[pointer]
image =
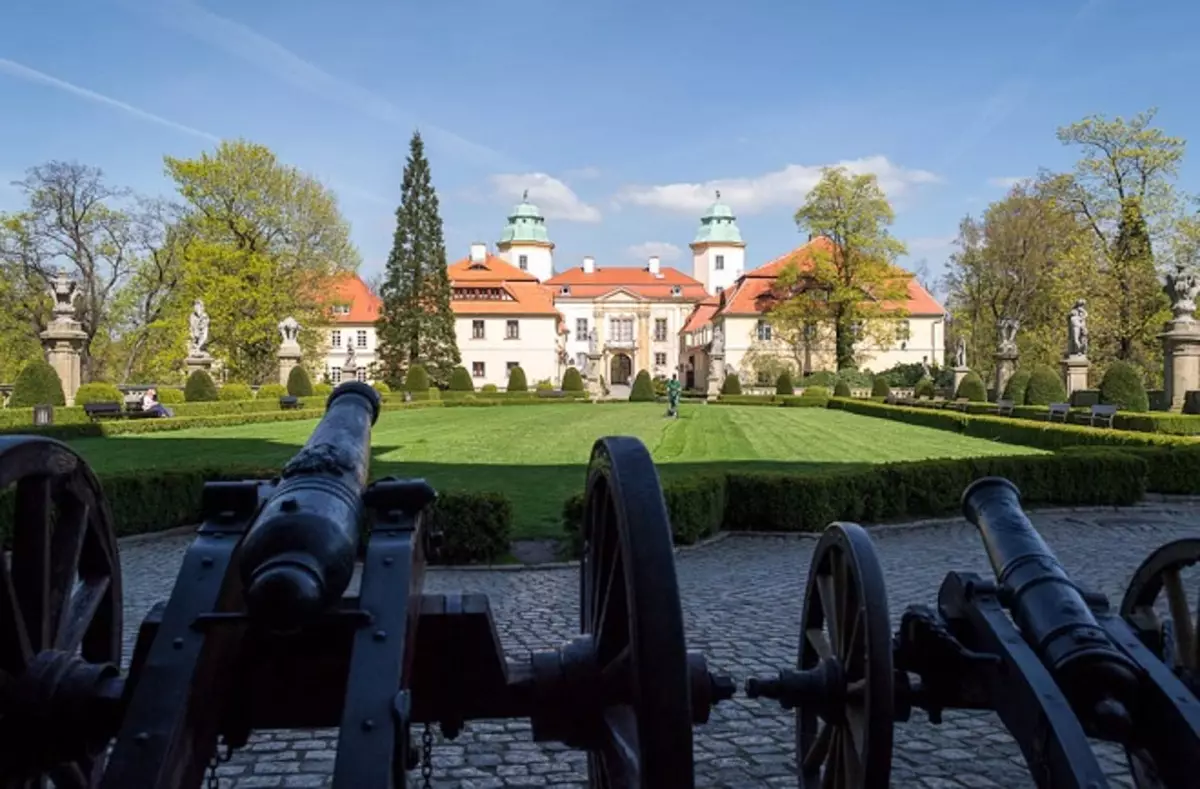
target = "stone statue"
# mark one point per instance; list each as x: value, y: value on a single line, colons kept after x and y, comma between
x: 62, y: 290
x: 289, y: 330
x: 960, y: 353
x: 1077, y: 332
x: 718, y: 341
x: 198, y: 329
x: 1008, y: 335
x: 593, y: 342
x: 1183, y: 287
x: 351, y: 362
x: 925, y: 371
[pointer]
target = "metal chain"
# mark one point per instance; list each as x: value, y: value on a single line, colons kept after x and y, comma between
x: 427, y: 757
x: 216, y: 761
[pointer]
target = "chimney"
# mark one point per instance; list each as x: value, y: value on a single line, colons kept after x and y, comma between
x: 653, y: 265
x: 478, y: 252
x: 589, y: 264
x: 811, y: 236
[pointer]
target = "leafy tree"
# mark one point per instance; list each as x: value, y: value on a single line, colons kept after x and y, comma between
x: 37, y: 384
x: 299, y: 384
x: 850, y: 282
x: 200, y: 388
x: 643, y: 389
x: 267, y: 240
x: 1044, y: 387
x: 417, y: 380
x: 416, y: 322
x: 972, y: 388
x: 1122, y: 386
x: 516, y: 380
x: 572, y: 381
x: 732, y: 385
x: 783, y: 384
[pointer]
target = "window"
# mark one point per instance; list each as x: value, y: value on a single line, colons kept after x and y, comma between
x: 581, y: 328
x: 361, y: 374
x: 335, y: 338
x: 676, y: 290
x: 565, y: 290
x: 360, y: 338
x: 523, y: 262
x: 904, y: 331
x: 477, y: 368
x: 512, y: 331
x: 620, y: 330
x: 341, y: 309
x: 335, y: 375
x: 477, y: 330
x: 660, y: 329
x: 764, y: 331
x: 720, y: 264
x: 720, y: 290
x: 660, y: 360
x: 508, y: 366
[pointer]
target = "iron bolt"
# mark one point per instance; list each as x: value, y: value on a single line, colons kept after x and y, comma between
x: 380, y: 635
x: 368, y: 724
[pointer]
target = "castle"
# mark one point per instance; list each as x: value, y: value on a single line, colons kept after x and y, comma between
x: 511, y: 308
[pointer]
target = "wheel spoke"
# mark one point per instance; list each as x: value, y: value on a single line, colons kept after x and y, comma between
x: 841, y: 590
x: 612, y: 629
x: 66, y: 547
x: 81, y: 612
x: 851, y: 761
x: 817, y: 751
x: 15, y: 651
x: 819, y: 642
x: 619, y: 750
x: 31, y: 557
x: 1185, y: 634
x: 832, y: 764
x: 828, y: 592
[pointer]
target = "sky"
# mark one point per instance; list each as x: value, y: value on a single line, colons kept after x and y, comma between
x: 622, y: 119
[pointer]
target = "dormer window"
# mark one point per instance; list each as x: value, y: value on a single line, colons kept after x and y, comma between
x: 341, y: 309
x: 565, y: 290
x: 676, y: 290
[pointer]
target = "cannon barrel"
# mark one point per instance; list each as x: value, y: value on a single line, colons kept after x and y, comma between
x: 1049, y: 609
x: 298, y: 556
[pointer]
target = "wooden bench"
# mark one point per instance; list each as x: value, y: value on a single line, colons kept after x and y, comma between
x: 288, y: 402
x: 97, y: 411
x: 1004, y: 408
x: 1062, y: 410
x: 1103, y: 413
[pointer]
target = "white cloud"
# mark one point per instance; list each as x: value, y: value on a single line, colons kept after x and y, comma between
x: 555, y: 199
x: 662, y: 249
x: 583, y: 173
x: 787, y: 187
x: 28, y: 74
x: 1006, y: 181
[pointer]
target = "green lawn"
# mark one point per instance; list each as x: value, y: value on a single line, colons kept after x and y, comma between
x: 537, y: 455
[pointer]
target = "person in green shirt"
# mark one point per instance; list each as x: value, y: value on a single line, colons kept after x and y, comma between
x: 673, y: 390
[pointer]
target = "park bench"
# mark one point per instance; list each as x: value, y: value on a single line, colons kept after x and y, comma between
x: 1062, y: 410
x: 1103, y: 413
x: 134, y: 410
x: 959, y: 404
x: 288, y: 402
x: 1004, y: 408
x: 97, y: 411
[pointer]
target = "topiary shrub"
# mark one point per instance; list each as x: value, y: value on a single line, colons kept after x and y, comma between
x: 200, y: 388
x: 490, y: 388
x: 643, y: 388
x: 233, y: 392
x: 972, y: 388
x: 880, y: 388
x: 37, y: 384
x: 544, y: 386
x: 1044, y: 387
x: 842, y: 389
x: 783, y: 384
x: 271, y: 391
x: 924, y: 388
x: 1016, y: 387
x: 322, y: 390
x: 460, y: 380
x: 732, y: 385
x: 173, y: 396
x: 819, y: 378
x: 299, y: 384
x: 98, y: 392
x: 516, y: 380
x: 1122, y: 386
x: 381, y: 387
x: 572, y: 381
x: 417, y: 380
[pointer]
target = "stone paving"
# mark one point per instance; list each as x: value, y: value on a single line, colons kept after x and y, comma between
x: 741, y: 599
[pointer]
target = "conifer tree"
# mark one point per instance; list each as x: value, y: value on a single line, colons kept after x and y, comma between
x: 416, y: 325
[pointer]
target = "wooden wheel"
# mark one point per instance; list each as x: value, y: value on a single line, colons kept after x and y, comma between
x: 631, y: 610
x: 60, y: 618
x: 844, y: 740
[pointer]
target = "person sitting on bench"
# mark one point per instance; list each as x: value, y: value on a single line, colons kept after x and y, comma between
x: 151, y: 406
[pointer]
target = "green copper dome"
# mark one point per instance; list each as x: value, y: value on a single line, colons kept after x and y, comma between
x: 718, y: 225
x: 525, y: 224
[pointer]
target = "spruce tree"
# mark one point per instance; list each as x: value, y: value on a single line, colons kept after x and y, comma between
x: 416, y: 325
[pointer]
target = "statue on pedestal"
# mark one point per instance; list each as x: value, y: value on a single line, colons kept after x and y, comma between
x: 351, y: 362
x: 718, y: 341
x: 1007, y: 344
x: 198, y: 330
x: 62, y: 290
x: 289, y: 330
x: 1183, y: 287
x: 960, y: 353
x: 593, y: 342
x: 1077, y: 332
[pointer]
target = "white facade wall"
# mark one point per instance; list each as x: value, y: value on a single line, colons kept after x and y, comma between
x: 362, y: 335
x: 659, y: 356
x: 704, y: 266
x: 539, y: 260
x: 535, y: 348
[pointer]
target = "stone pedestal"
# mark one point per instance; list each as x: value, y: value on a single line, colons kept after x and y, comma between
x: 716, y: 374
x: 63, y: 343
x: 289, y: 358
x: 201, y: 361
x: 1181, y: 360
x: 594, y: 390
x: 1006, y: 365
x: 959, y: 374
x: 1075, y: 373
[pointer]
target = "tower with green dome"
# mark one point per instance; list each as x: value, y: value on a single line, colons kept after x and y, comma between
x: 718, y: 252
x: 524, y: 243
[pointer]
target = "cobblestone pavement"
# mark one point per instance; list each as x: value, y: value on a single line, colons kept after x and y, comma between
x: 742, y: 600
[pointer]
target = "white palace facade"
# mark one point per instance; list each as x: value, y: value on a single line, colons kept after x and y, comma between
x: 512, y: 308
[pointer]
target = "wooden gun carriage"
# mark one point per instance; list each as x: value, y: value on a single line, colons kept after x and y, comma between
x: 300, y: 605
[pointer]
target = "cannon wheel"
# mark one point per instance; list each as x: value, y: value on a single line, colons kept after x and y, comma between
x: 844, y: 628
x: 60, y: 614
x: 631, y: 608
x: 1174, y: 640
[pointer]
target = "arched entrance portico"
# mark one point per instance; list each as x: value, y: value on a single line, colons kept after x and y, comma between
x: 620, y: 370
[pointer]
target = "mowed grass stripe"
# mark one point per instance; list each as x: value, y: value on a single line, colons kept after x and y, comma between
x: 537, y: 455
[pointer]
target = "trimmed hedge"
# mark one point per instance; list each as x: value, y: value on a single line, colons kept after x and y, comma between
x: 37, y: 384
x: 783, y: 384
x: 98, y: 392
x: 170, y: 396
x: 271, y: 392
x: 842, y: 389
x: 572, y: 381
x: 516, y: 380
x: 1016, y: 387
x: 924, y: 388
x: 732, y: 385
x: 643, y: 389
x: 880, y: 388
x: 972, y: 388
x: 1122, y: 386
x: 417, y: 380
x: 299, y: 384
x: 460, y: 380
x: 381, y: 387
x: 1044, y: 387
x: 235, y: 393
x: 200, y: 388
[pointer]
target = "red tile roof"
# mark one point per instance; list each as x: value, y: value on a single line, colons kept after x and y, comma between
x: 516, y: 292
x: 350, y: 290
x: 635, y: 280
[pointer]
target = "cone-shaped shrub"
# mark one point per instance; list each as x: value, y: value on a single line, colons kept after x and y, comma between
x: 1016, y: 387
x: 643, y: 388
x: 1044, y: 387
x: 842, y: 389
x: 880, y: 388
x: 200, y: 388
x: 924, y: 388
x: 460, y: 380
x: 517, y: 381
x: 783, y: 384
x: 732, y: 385
x: 417, y: 380
x: 37, y: 384
x: 1122, y: 386
x: 572, y: 381
x: 972, y: 388
x: 299, y: 384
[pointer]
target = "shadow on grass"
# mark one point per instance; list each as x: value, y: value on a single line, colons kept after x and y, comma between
x: 537, y: 491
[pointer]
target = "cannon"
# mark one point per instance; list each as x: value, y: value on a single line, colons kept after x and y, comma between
x: 299, y: 605
x: 1050, y: 659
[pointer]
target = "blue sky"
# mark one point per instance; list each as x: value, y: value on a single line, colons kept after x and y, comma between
x: 621, y: 118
